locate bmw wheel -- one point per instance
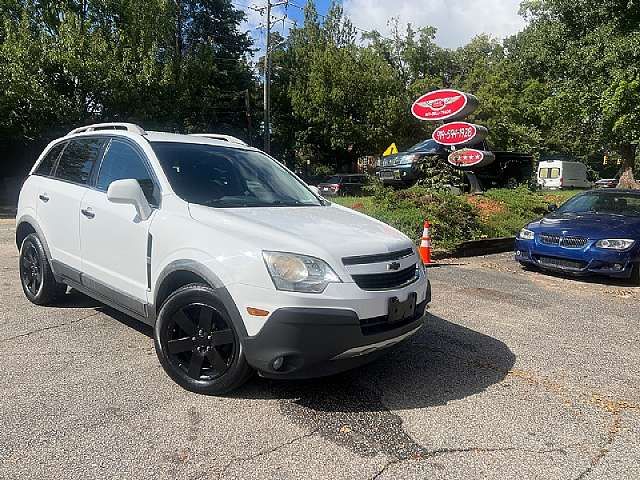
(197, 343)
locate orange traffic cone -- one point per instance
(425, 244)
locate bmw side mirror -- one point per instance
(129, 192)
(552, 207)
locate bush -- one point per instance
(452, 218)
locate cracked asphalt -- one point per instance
(515, 375)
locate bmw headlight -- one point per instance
(291, 272)
(526, 234)
(615, 243)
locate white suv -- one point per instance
(236, 263)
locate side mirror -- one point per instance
(552, 207)
(128, 192)
(314, 189)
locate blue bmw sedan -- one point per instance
(596, 232)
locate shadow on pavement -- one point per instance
(357, 409)
(442, 363)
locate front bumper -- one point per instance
(588, 261)
(398, 174)
(323, 341)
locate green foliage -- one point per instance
(453, 219)
(176, 64)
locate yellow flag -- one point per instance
(391, 150)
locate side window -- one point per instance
(121, 162)
(78, 159)
(47, 163)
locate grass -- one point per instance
(497, 213)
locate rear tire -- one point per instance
(38, 283)
(197, 343)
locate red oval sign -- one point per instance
(459, 133)
(470, 157)
(443, 104)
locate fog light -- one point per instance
(277, 363)
(518, 253)
(617, 266)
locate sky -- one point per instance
(457, 21)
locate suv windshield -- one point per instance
(610, 203)
(229, 177)
(426, 146)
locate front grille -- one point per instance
(561, 263)
(549, 239)
(371, 326)
(573, 242)
(378, 258)
(566, 242)
(384, 281)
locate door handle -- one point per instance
(88, 212)
(44, 197)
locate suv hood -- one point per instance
(319, 231)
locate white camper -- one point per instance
(561, 174)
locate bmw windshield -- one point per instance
(230, 177)
(612, 203)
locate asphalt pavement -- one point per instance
(516, 374)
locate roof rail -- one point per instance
(220, 136)
(129, 127)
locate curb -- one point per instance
(474, 248)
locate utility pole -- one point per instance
(247, 106)
(267, 67)
(267, 84)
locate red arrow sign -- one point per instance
(459, 133)
(444, 104)
(470, 157)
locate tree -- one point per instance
(588, 54)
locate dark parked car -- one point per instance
(343, 184)
(607, 183)
(597, 232)
(509, 169)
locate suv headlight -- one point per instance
(291, 272)
(409, 159)
(526, 234)
(615, 243)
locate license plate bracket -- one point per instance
(399, 311)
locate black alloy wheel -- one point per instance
(200, 342)
(31, 269)
(37, 279)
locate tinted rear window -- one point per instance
(334, 179)
(78, 159)
(47, 163)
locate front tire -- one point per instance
(197, 343)
(38, 283)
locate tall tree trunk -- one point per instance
(628, 153)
